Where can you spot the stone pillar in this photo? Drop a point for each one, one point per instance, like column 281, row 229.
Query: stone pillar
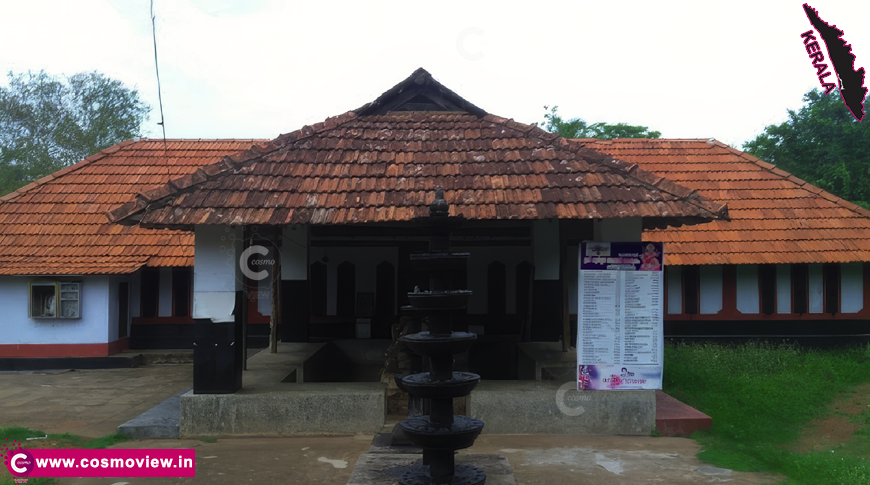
column 217, row 301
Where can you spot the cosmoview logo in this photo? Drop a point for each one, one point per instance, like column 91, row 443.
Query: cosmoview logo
column 20, row 463
column 255, row 262
column 246, row 264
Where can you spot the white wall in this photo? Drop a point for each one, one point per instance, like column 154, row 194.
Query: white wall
column 747, row 288
column 294, row 252
column 851, row 287
column 365, row 260
column 545, row 243
column 711, row 289
column 783, row 288
column 216, row 271
column 817, row 289
column 164, row 295
column 16, row 327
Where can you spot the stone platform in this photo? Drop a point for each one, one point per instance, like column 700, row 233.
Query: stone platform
column 542, row 407
column 385, row 469
column 274, row 401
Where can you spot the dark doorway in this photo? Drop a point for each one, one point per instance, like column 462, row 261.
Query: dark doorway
column 123, row 308
column 318, row 289
column 385, row 300
column 149, row 292
column 496, row 292
column 346, row 293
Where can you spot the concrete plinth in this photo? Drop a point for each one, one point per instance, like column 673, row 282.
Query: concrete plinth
column 159, row 422
column 540, row 407
column 307, row 409
column 385, row 469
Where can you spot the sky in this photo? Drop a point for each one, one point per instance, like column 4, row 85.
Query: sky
column 260, row 68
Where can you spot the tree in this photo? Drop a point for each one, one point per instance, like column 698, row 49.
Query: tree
column 49, row 122
column 823, row 144
column 577, row 128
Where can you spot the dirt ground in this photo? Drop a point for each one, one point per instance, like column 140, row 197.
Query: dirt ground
column 836, row 428
column 94, row 402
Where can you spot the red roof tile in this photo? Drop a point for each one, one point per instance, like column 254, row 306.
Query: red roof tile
column 774, row 217
column 381, row 163
column 57, row 225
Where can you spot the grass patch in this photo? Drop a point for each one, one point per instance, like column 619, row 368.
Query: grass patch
column 54, row 441
column 760, row 397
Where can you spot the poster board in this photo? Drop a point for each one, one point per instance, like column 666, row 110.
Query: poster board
column 620, row 335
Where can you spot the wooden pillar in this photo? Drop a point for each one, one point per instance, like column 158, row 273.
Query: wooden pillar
column 275, row 318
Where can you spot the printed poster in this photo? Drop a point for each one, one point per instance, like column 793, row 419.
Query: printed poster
column 620, row 337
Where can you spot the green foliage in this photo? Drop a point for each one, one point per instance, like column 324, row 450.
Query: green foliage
column 760, row 396
column 823, row 144
column 577, row 128
column 49, row 122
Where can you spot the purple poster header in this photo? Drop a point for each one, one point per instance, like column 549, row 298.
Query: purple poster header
column 622, row 256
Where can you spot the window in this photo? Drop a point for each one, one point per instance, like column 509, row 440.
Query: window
column 55, row 299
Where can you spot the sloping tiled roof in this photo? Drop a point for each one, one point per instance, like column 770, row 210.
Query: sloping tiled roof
column 382, row 164
column 57, row 225
column 774, row 216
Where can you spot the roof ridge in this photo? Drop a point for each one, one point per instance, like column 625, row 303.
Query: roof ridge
column 66, row 170
column 771, row 168
column 225, row 165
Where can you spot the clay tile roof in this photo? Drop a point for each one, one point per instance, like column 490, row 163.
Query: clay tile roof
column 383, row 161
column 774, row 217
column 57, row 225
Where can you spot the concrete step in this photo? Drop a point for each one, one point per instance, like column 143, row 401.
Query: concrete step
column 159, row 422
column 675, row 418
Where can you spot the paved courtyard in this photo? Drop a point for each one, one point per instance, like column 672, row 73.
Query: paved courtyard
column 95, row 402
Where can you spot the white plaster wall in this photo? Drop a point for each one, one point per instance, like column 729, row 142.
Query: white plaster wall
column 164, row 295
column 294, row 253
column 628, row 229
column 216, row 271
column 851, row 287
column 545, row 241
column 817, row 289
column 16, row 327
column 365, row 260
column 478, row 265
column 783, row 288
column 711, row 289
column 747, row 288
column 675, row 289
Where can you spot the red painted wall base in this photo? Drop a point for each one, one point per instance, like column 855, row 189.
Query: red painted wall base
column 64, row 350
